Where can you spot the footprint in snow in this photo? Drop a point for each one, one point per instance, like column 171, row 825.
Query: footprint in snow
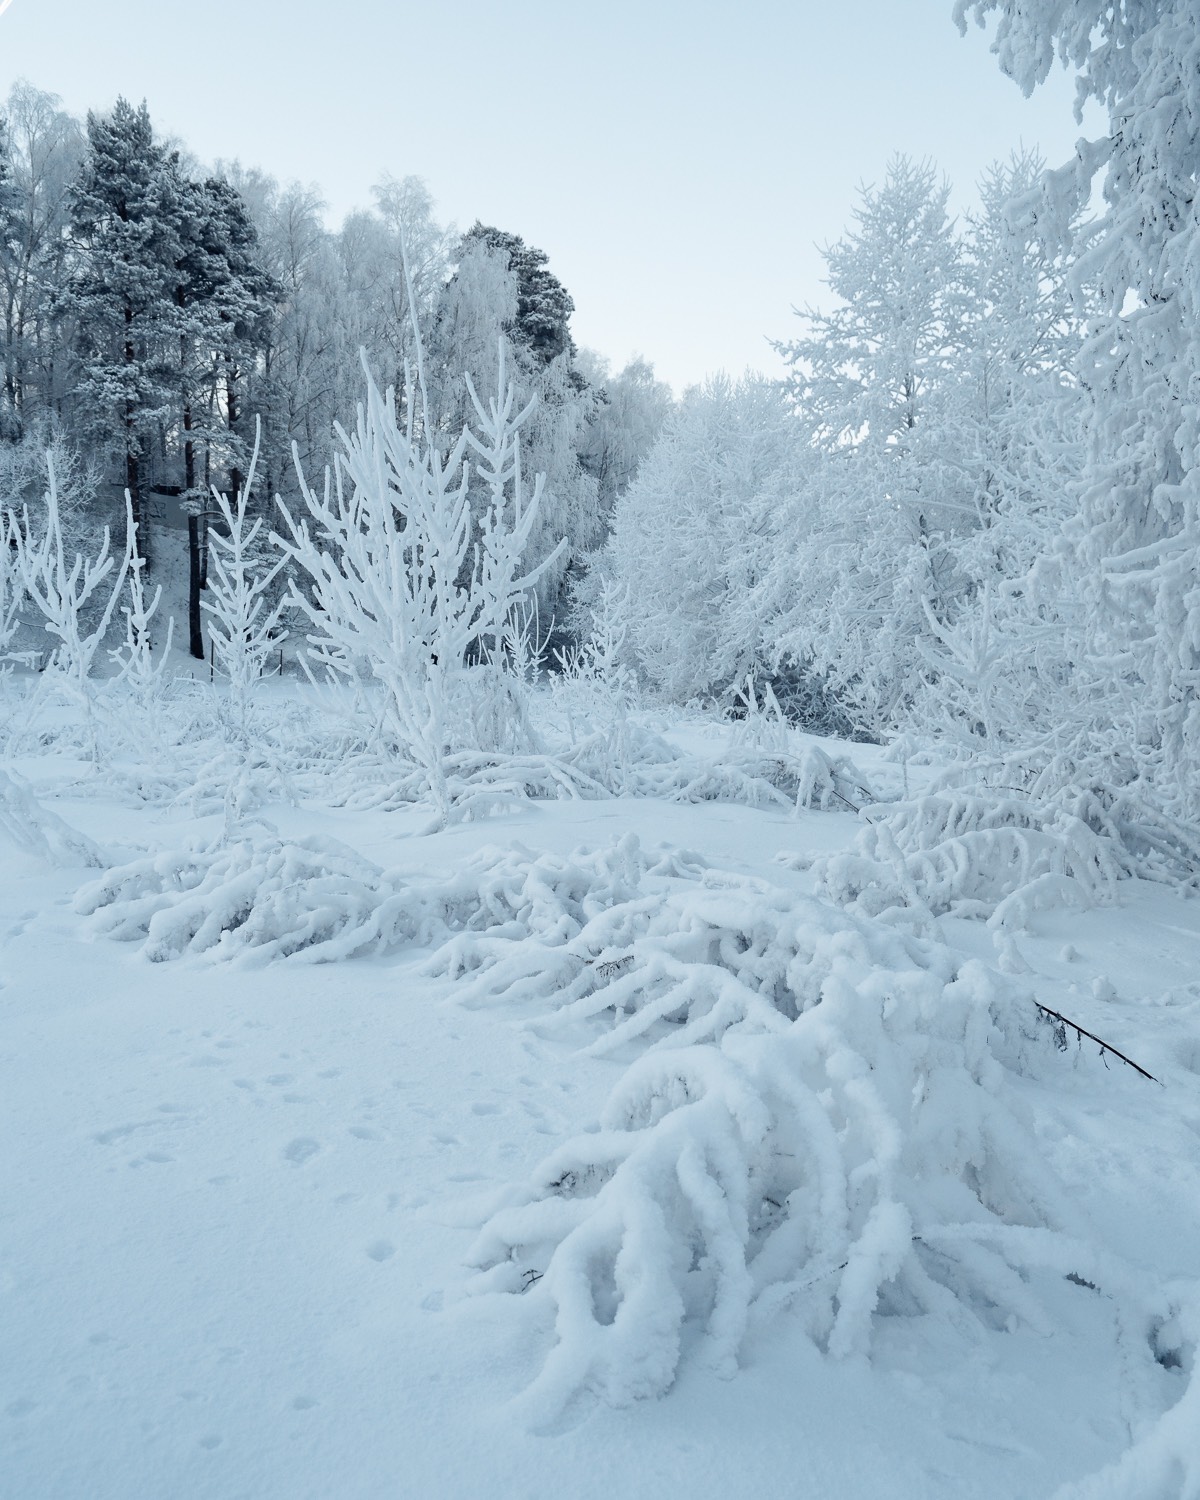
column 300, row 1150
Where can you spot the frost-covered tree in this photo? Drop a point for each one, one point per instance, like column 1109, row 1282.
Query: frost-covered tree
column 244, row 622
column 125, row 225
column 693, row 534
column 77, row 481
column 395, row 576
column 374, row 248
column 1130, row 555
column 541, row 323
column 502, row 297
column 867, row 371
column 72, row 595
column 42, row 155
column 870, row 379
column 307, row 359
column 9, row 249
column 1014, row 424
column 224, row 300
column 631, row 407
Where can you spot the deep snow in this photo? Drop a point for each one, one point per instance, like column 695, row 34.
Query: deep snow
column 237, row 1203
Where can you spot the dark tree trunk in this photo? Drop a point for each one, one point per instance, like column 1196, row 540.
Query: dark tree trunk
column 195, row 627
column 132, row 464
column 231, row 416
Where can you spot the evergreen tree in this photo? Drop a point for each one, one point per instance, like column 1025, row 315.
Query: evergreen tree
column 126, row 213
column 224, row 300
column 544, row 305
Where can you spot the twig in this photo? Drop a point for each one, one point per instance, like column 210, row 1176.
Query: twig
column 1100, row 1042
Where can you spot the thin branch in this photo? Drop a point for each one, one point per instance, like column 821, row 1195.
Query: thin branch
column 1104, row 1046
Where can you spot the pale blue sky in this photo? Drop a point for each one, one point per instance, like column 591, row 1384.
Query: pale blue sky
column 678, row 162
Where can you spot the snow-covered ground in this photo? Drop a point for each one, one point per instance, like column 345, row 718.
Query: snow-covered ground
column 238, row 1200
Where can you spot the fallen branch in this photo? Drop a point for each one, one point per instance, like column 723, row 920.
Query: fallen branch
column 1104, row 1046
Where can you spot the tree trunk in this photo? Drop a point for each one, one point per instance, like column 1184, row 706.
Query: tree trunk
column 231, row 417
column 132, row 464
column 195, row 626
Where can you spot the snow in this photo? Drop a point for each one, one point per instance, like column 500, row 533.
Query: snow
column 241, row 1201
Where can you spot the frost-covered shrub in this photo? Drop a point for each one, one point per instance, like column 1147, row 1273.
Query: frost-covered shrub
column 38, row 831
column 255, row 901
column 594, row 689
column 822, row 1121
column 403, row 580
column 821, row 1116
column 263, row 898
column 244, row 626
column 972, row 853
column 74, row 598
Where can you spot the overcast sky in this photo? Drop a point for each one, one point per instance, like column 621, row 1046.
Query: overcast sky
column 678, row 162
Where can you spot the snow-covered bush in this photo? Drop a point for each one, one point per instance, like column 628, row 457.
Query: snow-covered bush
column 821, row 1115
column 74, row 598
column 973, row 853
column 38, row 831
column 823, row 1120
column 257, row 900
column 395, row 578
column 264, row 898
column 141, row 675
column 594, row 689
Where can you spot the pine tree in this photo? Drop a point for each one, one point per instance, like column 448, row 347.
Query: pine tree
column 224, row 300
column 544, row 305
column 126, row 212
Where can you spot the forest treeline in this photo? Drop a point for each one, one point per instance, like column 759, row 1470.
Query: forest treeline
column 156, row 316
